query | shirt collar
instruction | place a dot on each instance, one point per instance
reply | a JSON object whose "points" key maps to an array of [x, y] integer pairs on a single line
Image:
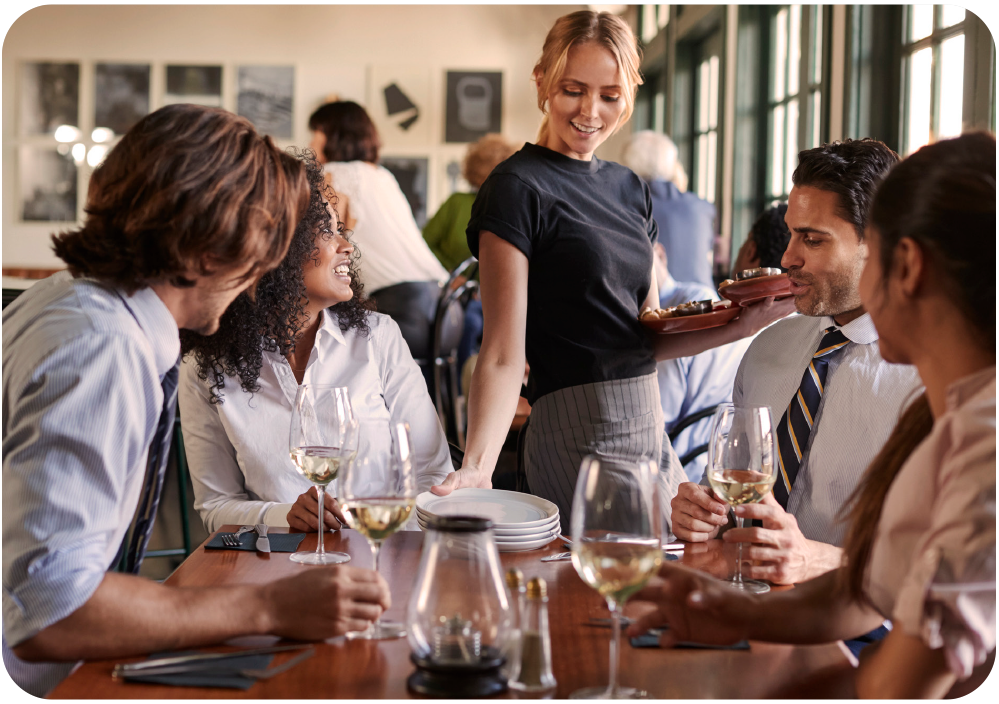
{"points": [[860, 331], [329, 328], [966, 388], [159, 325]]}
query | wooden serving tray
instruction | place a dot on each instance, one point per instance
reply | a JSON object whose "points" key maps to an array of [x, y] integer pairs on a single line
{"points": [[743, 293], [689, 323]]}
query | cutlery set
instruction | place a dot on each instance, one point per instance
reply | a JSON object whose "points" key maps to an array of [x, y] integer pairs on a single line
{"points": [[231, 540], [212, 663]]}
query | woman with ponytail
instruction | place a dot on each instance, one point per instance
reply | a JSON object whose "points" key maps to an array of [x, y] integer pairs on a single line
{"points": [[564, 242], [921, 544]]}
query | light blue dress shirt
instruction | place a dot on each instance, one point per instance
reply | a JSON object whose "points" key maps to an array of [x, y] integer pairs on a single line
{"points": [[82, 367], [691, 384]]}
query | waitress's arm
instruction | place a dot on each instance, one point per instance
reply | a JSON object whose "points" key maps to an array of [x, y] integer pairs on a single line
{"points": [[492, 399]]}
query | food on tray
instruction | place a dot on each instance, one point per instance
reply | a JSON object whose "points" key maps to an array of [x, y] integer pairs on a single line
{"points": [[726, 282], [694, 308], [719, 305], [756, 273], [684, 309]]}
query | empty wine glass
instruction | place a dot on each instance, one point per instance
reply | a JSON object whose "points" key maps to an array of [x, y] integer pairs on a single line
{"points": [[323, 437], [742, 466], [615, 542], [378, 490]]}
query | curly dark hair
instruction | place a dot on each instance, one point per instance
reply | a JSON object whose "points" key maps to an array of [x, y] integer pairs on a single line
{"points": [[770, 235], [852, 169], [273, 320]]}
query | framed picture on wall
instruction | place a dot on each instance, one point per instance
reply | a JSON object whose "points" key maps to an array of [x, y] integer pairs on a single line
{"points": [[200, 85], [121, 95], [265, 96], [50, 96], [474, 105], [411, 173], [47, 183], [398, 101]]}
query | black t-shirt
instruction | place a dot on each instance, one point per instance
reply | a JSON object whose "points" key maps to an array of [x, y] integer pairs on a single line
{"points": [[587, 230]]}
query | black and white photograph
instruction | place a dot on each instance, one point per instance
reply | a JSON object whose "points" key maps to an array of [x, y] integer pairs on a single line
{"points": [[50, 96], [47, 185], [411, 173], [474, 105], [200, 85], [121, 95], [399, 105], [266, 96]]}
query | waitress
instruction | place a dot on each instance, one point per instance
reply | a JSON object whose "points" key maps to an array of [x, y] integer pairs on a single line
{"points": [[564, 242]]}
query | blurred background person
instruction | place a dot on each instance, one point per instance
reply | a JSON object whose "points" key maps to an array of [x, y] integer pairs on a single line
{"points": [[765, 243], [686, 223]]}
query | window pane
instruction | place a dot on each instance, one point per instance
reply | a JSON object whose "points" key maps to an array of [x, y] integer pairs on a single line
{"points": [[794, 50], [951, 86], [713, 93], [792, 144], [920, 21], [918, 81], [704, 96], [659, 116], [952, 14], [711, 166], [780, 55], [702, 166], [663, 17], [777, 150], [815, 138], [816, 72]]}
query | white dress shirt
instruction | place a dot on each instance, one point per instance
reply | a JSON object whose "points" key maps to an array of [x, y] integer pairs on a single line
{"points": [[863, 399], [82, 367], [238, 449], [390, 242]]}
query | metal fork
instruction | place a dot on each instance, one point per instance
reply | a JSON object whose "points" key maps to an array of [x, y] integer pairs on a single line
{"points": [[231, 540], [217, 668]]}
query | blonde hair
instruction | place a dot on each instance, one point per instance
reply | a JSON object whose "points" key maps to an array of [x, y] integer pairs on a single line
{"points": [[484, 156], [610, 32]]}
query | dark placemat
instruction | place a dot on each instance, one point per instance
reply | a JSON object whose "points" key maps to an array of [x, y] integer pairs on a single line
{"points": [[650, 639], [224, 677], [280, 542]]}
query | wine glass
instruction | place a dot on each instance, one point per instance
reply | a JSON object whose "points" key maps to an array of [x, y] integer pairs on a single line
{"points": [[378, 489], [616, 544], [742, 466], [322, 439]]}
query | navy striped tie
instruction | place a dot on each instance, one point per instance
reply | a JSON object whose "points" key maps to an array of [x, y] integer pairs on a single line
{"points": [[156, 464], [796, 424]]}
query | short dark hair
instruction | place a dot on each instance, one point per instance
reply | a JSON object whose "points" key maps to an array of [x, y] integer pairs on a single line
{"points": [[852, 169], [350, 133], [188, 189], [770, 235]]}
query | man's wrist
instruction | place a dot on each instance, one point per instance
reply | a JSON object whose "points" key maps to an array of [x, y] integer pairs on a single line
{"points": [[822, 558]]}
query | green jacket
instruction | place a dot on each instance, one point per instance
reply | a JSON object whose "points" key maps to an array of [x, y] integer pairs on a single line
{"points": [[445, 231]]}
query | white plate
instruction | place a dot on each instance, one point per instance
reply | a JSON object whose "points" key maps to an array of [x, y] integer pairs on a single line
{"points": [[502, 539], [507, 509], [509, 529], [522, 547]]}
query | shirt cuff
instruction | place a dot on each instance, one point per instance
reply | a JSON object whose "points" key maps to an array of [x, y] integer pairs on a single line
{"points": [[277, 515]]}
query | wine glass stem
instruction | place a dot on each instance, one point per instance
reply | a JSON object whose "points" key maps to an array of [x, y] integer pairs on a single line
{"points": [[738, 559], [376, 549], [614, 647], [321, 493]]}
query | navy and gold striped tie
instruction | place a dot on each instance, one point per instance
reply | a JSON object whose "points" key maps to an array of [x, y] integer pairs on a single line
{"points": [[796, 424]]}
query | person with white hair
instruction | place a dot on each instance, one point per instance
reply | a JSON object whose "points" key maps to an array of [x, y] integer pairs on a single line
{"points": [[686, 222]]}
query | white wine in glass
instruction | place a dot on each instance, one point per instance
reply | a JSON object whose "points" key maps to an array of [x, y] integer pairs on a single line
{"points": [[323, 437], [742, 466], [378, 490], [616, 543]]}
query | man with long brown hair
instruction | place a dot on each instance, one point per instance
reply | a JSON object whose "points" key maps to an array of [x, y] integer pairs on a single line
{"points": [[187, 212]]}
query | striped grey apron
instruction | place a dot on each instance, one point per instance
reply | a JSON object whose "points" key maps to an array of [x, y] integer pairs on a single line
{"points": [[623, 417]]}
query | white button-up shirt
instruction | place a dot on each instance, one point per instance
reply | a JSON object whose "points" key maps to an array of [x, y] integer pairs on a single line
{"points": [[863, 399], [238, 449]]}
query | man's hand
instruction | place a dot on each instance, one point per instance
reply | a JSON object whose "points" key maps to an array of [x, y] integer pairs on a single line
{"points": [[304, 513], [757, 316], [694, 606], [468, 477], [697, 514], [779, 553], [340, 598]]}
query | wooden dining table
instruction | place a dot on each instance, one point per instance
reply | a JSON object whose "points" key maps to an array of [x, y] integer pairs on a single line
{"points": [[361, 669]]}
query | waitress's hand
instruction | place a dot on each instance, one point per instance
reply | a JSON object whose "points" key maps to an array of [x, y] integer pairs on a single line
{"points": [[754, 318], [304, 513], [468, 477]]}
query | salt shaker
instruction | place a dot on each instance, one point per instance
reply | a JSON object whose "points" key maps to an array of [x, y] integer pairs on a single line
{"points": [[535, 642], [515, 583]]}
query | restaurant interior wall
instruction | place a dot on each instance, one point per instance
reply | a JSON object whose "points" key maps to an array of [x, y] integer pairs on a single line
{"points": [[333, 49]]}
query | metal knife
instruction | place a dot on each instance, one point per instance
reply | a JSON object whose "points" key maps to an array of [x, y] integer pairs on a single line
{"points": [[263, 542]]}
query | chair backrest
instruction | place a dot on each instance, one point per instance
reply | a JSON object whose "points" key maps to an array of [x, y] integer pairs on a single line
{"points": [[450, 319], [414, 306]]}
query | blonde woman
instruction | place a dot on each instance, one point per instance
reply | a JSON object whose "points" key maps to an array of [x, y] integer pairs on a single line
{"points": [[564, 242]]}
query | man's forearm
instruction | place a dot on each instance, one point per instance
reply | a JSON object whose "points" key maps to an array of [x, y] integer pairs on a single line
{"points": [[129, 615]]}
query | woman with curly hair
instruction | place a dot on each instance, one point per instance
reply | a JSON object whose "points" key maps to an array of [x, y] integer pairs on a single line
{"points": [[306, 323]]}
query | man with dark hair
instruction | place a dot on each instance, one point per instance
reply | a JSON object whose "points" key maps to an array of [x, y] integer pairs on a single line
{"points": [[189, 209], [834, 399], [766, 242]]}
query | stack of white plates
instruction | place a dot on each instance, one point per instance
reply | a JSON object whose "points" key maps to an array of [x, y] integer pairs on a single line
{"points": [[520, 521]]}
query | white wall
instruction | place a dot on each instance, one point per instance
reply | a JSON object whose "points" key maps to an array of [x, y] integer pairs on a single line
{"points": [[331, 47]]}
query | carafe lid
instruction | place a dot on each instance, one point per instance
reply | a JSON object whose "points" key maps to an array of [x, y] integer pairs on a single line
{"points": [[459, 524]]}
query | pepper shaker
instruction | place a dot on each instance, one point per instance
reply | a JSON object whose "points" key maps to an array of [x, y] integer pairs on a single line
{"points": [[515, 583], [535, 642]]}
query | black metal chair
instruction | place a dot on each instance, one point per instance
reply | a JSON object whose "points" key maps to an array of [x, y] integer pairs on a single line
{"points": [[448, 326], [685, 423]]}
